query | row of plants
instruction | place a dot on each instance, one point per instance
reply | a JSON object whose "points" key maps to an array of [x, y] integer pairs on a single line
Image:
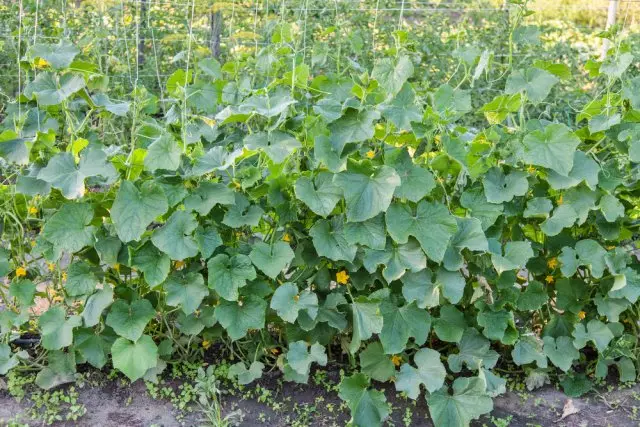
{"points": [[290, 216]]}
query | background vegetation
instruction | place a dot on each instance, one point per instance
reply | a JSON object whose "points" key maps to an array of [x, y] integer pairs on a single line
{"points": [[427, 193]]}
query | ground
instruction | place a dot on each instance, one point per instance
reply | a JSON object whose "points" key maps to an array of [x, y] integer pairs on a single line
{"points": [[112, 402]]}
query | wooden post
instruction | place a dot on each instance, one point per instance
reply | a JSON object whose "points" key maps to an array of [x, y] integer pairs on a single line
{"points": [[611, 20], [215, 27], [142, 25]]}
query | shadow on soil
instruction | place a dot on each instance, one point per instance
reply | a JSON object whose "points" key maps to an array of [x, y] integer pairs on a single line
{"points": [[270, 402]]}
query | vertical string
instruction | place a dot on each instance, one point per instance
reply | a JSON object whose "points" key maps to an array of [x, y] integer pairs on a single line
{"points": [[20, 11], [373, 30], [155, 57], [255, 28], [338, 27], [138, 16], [35, 23], [186, 77], [304, 35], [126, 44]]}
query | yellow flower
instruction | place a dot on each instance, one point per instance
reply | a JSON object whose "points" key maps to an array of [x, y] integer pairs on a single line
{"points": [[275, 351], [560, 201], [396, 360], [33, 243], [21, 272], [286, 237], [40, 63], [342, 277], [206, 344], [117, 267], [57, 298], [371, 154], [549, 279], [552, 263], [178, 264], [33, 210], [51, 266], [531, 169], [296, 298], [64, 276], [582, 315]]}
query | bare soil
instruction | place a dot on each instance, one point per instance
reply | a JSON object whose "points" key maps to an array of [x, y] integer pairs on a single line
{"points": [[113, 403]]}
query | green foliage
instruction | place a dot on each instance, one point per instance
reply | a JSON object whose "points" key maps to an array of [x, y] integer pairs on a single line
{"points": [[298, 208]]}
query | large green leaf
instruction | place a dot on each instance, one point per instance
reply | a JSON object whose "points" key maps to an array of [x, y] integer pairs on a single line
{"points": [[554, 148], [56, 328], [62, 173], [416, 181], [59, 55], [370, 233], [14, 149], [513, 257], [329, 239], [375, 363], [469, 236], [475, 352], [207, 195], [402, 109], [528, 349], [367, 191], [498, 325], [396, 259], [163, 153], [320, 194], [186, 290], [595, 331], [134, 359], [237, 317], [154, 264], [367, 320], [8, 360], [450, 325], [93, 347], [50, 89], [96, 304], [228, 274], [500, 188], [392, 74], [468, 402], [421, 288], [431, 224], [69, 228], [246, 376], [587, 253], [430, 371], [129, 320], [400, 323], [271, 259], [216, 159], [242, 213], [368, 407], [81, 279], [534, 82], [300, 356], [288, 301], [277, 145], [353, 126], [476, 202], [175, 237], [560, 351]]}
